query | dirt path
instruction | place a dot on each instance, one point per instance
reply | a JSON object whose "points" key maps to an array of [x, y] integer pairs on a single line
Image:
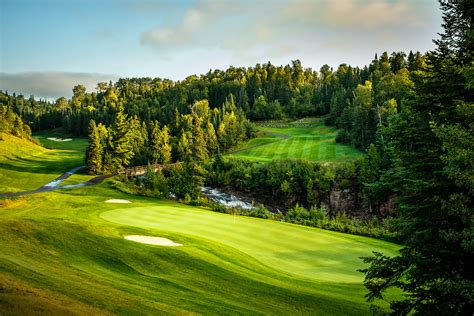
{"points": [[54, 185], [282, 137]]}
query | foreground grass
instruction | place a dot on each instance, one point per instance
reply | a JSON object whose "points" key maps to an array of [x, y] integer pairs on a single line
{"points": [[58, 243], [317, 143], [63, 252]]}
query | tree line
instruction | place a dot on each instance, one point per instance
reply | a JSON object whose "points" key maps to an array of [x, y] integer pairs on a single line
{"points": [[193, 137], [355, 99], [12, 123]]}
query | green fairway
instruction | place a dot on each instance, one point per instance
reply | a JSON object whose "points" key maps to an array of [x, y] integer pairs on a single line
{"points": [[76, 143], [64, 252], [316, 142], [26, 166]]}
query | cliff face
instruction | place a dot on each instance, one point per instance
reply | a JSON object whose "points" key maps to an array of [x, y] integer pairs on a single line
{"points": [[342, 200]]}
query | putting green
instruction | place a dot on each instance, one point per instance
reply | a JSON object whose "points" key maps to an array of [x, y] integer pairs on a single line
{"points": [[297, 250]]}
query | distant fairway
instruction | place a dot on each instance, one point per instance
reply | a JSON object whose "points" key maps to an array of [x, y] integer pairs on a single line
{"points": [[26, 166], [313, 143]]}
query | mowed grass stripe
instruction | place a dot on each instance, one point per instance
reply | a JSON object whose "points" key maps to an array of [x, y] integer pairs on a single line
{"points": [[315, 150], [314, 143], [280, 151], [307, 149], [330, 151]]}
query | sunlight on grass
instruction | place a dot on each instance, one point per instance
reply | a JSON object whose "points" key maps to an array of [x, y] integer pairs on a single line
{"points": [[317, 143]]}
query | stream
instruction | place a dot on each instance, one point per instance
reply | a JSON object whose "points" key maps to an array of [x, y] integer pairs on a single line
{"points": [[226, 199]]}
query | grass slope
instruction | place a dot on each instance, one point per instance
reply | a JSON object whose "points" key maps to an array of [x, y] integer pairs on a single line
{"points": [[313, 143], [25, 165], [63, 252], [296, 250]]}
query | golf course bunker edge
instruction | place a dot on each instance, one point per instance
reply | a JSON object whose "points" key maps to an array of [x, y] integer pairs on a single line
{"points": [[151, 240]]}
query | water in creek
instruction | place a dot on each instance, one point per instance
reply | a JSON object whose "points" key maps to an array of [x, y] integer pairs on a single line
{"points": [[225, 199]]}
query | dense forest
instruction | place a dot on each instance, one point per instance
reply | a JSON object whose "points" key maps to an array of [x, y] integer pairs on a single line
{"points": [[413, 114], [356, 100]]}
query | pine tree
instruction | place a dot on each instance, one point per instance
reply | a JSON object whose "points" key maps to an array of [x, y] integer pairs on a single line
{"points": [[184, 146], [95, 150], [211, 139], [121, 147], [161, 148], [155, 142], [165, 145], [433, 149], [199, 145]]}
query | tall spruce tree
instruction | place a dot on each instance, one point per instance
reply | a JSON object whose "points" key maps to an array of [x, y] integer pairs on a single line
{"points": [[161, 148], [121, 146], [95, 150], [433, 146]]}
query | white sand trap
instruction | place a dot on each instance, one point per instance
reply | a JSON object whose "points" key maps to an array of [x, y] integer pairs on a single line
{"points": [[117, 201], [149, 240], [60, 139]]}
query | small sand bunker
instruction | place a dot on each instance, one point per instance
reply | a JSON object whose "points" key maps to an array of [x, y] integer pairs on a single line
{"points": [[150, 240], [117, 201], [60, 139]]}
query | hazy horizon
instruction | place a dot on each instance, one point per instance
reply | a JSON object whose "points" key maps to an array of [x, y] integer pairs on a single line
{"points": [[47, 47]]}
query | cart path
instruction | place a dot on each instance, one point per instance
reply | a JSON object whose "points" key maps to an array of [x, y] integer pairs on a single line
{"points": [[54, 185]]}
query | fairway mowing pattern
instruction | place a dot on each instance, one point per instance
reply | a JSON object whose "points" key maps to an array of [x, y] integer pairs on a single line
{"points": [[317, 143]]}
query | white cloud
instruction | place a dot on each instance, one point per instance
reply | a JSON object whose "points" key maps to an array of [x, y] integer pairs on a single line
{"points": [[50, 85], [252, 31]]}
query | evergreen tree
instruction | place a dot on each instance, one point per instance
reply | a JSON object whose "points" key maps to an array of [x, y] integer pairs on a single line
{"points": [[432, 141], [95, 150], [121, 147], [161, 148], [164, 140], [199, 145], [184, 146]]}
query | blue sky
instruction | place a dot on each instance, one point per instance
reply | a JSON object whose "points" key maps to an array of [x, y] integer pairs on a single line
{"points": [[47, 46]]}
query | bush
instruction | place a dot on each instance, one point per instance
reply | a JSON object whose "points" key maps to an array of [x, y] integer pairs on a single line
{"points": [[341, 223]]}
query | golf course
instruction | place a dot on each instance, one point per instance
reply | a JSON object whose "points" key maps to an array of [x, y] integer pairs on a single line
{"points": [[315, 141], [65, 252]]}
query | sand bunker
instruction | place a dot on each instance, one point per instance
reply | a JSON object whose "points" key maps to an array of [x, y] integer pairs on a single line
{"points": [[149, 240], [60, 139], [117, 201]]}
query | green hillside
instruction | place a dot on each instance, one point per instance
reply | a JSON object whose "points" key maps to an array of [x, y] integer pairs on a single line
{"points": [[63, 252], [25, 165]]}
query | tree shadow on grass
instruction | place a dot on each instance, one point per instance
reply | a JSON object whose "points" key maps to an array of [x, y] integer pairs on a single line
{"points": [[62, 163]]}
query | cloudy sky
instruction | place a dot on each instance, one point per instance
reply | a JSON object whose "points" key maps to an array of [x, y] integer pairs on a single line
{"points": [[48, 46]]}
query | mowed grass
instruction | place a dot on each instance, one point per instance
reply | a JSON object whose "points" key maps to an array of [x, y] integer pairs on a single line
{"points": [[296, 250], [68, 246], [63, 252], [76, 144], [317, 143], [27, 166]]}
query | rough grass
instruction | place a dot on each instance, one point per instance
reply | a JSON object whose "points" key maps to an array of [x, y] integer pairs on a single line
{"points": [[63, 252], [317, 143]]}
